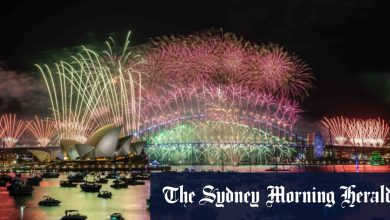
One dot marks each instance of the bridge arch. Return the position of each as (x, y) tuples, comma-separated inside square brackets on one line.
[(200, 139)]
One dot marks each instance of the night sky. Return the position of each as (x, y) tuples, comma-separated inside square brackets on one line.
[(346, 43)]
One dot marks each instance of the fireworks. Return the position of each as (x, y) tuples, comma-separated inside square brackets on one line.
[(226, 103), (206, 140), (217, 58), (42, 129), (222, 90), (358, 132), (338, 129), (11, 129), (93, 90)]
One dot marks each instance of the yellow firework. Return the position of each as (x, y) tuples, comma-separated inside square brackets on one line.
[(94, 89)]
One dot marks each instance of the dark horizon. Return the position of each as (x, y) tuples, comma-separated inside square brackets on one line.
[(342, 42)]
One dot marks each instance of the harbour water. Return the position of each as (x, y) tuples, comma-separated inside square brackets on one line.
[(131, 202)]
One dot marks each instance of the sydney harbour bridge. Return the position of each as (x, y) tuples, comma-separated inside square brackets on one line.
[(202, 98)]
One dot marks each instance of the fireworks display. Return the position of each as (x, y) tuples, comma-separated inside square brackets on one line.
[(206, 140), (43, 130), (211, 83), (93, 90), (228, 103), (203, 97), (218, 58), (358, 132), (11, 129), (216, 80), (229, 117)]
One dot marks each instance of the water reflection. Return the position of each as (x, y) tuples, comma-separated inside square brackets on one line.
[(130, 202)]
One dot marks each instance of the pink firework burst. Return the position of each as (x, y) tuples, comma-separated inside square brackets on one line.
[(218, 59), (270, 69), (12, 129), (233, 103), (42, 129)]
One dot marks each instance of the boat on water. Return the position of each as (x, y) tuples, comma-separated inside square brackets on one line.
[(118, 184), (112, 175), (49, 201), (73, 215), (50, 174), (134, 182), (189, 170), (116, 216), (34, 180), (101, 180), (104, 194), (76, 177), (140, 176), (19, 188), (64, 183), (90, 187), (276, 169)]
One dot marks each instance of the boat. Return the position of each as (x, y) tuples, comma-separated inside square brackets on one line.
[(34, 180), (50, 174), (90, 187), (77, 177), (19, 188), (276, 169), (189, 170), (49, 201), (112, 175), (140, 176), (134, 182), (117, 184), (116, 216), (101, 180), (104, 194), (73, 215), (64, 183)]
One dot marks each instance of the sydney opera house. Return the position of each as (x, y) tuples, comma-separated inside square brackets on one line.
[(102, 148)]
